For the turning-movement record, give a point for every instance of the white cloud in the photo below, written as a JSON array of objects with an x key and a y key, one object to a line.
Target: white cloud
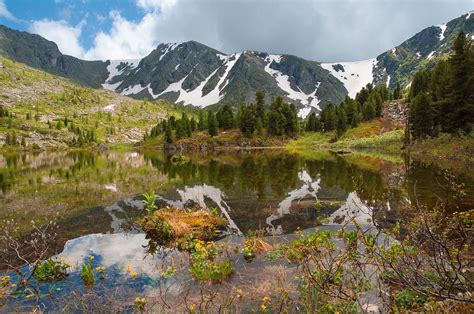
[
  {"x": 126, "y": 39},
  {"x": 63, "y": 34},
  {"x": 161, "y": 5},
  {"x": 5, "y": 13},
  {"x": 313, "y": 29}
]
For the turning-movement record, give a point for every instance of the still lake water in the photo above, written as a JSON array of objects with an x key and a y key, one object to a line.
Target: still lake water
[{"x": 97, "y": 195}]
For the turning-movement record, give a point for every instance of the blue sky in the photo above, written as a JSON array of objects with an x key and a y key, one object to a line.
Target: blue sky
[{"x": 322, "y": 30}]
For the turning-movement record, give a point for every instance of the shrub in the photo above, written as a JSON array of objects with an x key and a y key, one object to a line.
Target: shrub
[{"x": 51, "y": 270}]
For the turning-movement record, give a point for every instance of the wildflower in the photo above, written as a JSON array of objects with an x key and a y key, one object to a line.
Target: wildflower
[
  {"x": 128, "y": 269},
  {"x": 265, "y": 299},
  {"x": 192, "y": 307},
  {"x": 239, "y": 293},
  {"x": 134, "y": 275},
  {"x": 263, "y": 307}
]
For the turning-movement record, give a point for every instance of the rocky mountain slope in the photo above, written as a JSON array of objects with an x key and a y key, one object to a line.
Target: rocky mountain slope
[
  {"x": 39, "y": 104},
  {"x": 194, "y": 74}
]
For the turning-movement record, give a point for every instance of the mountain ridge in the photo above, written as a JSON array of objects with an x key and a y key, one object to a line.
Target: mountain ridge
[{"x": 192, "y": 73}]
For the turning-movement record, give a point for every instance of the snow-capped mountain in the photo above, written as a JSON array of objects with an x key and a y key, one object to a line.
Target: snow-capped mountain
[{"x": 194, "y": 74}]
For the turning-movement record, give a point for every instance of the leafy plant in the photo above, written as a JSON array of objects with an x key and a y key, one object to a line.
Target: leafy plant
[
  {"x": 87, "y": 274},
  {"x": 51, "y": 270},
  {"x": 208, "y": 262},
  {"x": 149, "y": 202}
]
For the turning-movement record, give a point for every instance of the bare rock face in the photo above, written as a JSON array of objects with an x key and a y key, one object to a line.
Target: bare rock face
[{"x": 397, "y": 112}]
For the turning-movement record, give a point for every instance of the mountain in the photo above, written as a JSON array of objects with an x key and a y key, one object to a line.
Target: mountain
[
  {"x": 194, "y": 74},
  {"x": 37, "y": 52}
]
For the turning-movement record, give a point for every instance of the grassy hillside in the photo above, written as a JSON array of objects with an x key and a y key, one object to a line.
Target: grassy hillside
[{"x": 34, "y": 98}]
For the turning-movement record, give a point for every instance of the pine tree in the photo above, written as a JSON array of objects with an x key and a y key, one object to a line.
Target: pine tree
[
  {"x": 369, "y": 110},
  {"x": 328, "y": 118},
  {"x": 260, "y": 105},
  {"x": 247, "y": 120},
  {"x": 193, "y": 124},
  {"x": 226, "y": 117},
  {"x": 341, "y": 121},
  {"x": 291, "y": 121},
  {"x": 310, "y": 124},
  {"x": 259, "y": 126},
  {"x": 212, "y": 124},
  {"x": 202, "y": 125},
  {"x": 168, "y": 134},
  {"x": 180, "y": 129},
  {"x": 460, "y": 115},
  {"x": 421, "y": 116}
]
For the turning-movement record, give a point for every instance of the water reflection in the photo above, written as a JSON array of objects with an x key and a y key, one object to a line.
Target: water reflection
[{"x": 260, "y": 190}]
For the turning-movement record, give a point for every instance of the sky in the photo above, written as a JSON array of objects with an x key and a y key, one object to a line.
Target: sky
[{"x": 320, "y": 30}]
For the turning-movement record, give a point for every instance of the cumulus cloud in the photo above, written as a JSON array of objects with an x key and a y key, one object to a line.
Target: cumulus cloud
[
  {"x": 322, "y": 30},
  {"x": 67, "y": 37},
  {"x": 161, "y": 5},
  {"x": 126, "y": 39},
  {"x": 4, "y": 12}
]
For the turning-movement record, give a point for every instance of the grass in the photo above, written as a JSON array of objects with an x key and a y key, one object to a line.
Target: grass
[
  {"x": 115, "y": 118},
  {"x": 449, "y": 151},
  {"x": 367, "y": 136}
]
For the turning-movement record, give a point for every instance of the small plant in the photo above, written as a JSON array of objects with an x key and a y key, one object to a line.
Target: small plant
[
  {"x": 208, "y": 262},
  {"x": 149, "y": 202},
  {"x": 51, "y": 270},
  {"x": 140, "y": 303},
  {"x": 408, "y": 299},
  {"x": 87, "y": 274},
  {"x": 255, "y": 245}
]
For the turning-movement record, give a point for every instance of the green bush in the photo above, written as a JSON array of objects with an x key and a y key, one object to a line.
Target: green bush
[{"x": 51, "y": 270}]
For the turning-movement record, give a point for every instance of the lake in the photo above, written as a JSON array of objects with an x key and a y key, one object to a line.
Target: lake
[{"x": 97, "y": 198}]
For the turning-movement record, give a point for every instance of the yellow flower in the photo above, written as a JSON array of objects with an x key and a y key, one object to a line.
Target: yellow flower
[
  {"x": 134, "y": 275},
  {"x": 198, "y": 246},
  {"x": 263, "y": 307},
  {"x": 128, "y": 269},
  {"x": 265, "y": 299},
  {"x": 239, "y": 293},
  {"x": 192, "y": 307}
]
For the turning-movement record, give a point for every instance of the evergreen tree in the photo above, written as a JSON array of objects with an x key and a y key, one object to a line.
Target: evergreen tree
[
  {"x": 259, "y": 126},
  {"x": 202, "y": 125},
  {"x": 460, "y": 114},
  {"x": 276, "y": 120},
  {"x": 328, "y": 118},
  {"x": 247, "y": 120},
  {"x": 260, "y": 105},
  {"x": 226, "y": 117},
  {"x": 193, "y": 124},
  {"x": 311, "y": 122},
  {"x": 369, "y": 110},
  {"x": 168, "y": 134},
  {"x": 397, "y": 91},
  {"x": 180, "y": 129},
  {"x": 421, "y": 116},
  {"x": 290, "y": 126},
  {"x": 341, "y": 121},
  {"x": 212, "y": 124}
]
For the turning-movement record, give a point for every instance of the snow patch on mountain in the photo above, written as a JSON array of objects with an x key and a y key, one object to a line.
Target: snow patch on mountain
[
  {"x": 469, "y": 14},
  {"x": 168, "y": 48},
  {"x": 195, "y": 97},
  {"x": 283, "y": 81},
  {"x": 355, "y": 75},
  {"x": 443, "y": 29},
  {"x": 117, "y": 67}
]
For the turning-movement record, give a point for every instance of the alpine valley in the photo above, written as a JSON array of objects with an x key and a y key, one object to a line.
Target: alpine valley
[{"x": 194, "y": 74}]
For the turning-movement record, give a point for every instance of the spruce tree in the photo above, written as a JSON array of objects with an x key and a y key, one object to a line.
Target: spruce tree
[
  {"x": 341, "y": 121},
  {"x": 421, "y": 116},
  {"x": 260, "y": 105},
  {"x": 212, "y": 124},
  {"x": 168, "y": 134}
]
